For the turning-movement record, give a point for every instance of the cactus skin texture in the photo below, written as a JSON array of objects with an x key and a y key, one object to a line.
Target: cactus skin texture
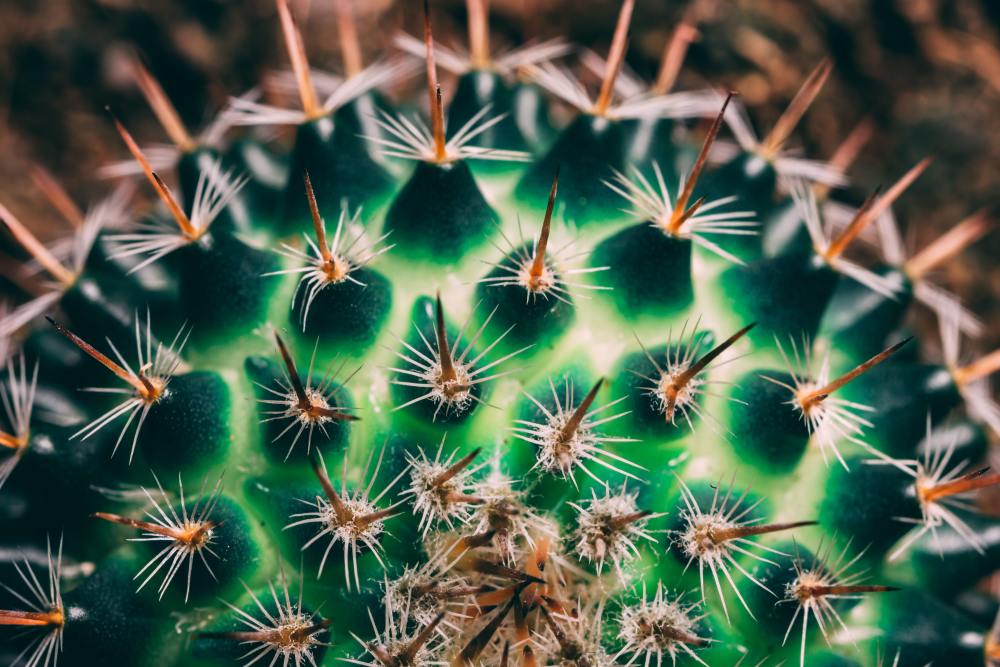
[{"x": 490, "y": 391}]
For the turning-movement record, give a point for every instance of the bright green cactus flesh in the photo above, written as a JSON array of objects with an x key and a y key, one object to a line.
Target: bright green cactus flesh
[{"x": 492, "y": 393}]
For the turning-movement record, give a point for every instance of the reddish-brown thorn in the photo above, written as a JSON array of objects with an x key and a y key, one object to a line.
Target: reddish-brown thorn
[
  {"x": 736, "y": 532},
  {"x": 538, "y": 259},
  {"x": 317, "y": 219},
  {"x": 682, "y": 212},
  {"x": 56, "y": 195},
  {"x": 434, "y": 90},
  {"x": 350, "y": 45},
  {"x": 797, "y": 108},
  {"x": 300, "y": 62},
  {"x": 163, "y": 109},
  {"x": 479, "y": 33},
  {"x": 139, "y": 382},
  {"x": 36, "y": 248},
  {"x": 570, "y": 428},
  {"x": 616, "y": 57},
  {"x": 673, "y": 57},
  {"x": 872, "y": 209},
  {"x": 336, "y": 502},
  {"x": 973, "y": 481},
  {"x": 948, "y": 245},
  {"x": 809, "y": 399},
  {"x": 162, "y": 191}
]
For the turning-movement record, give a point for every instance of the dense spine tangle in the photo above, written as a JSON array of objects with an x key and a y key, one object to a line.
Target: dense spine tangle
[{"x": 482, "y": 365}]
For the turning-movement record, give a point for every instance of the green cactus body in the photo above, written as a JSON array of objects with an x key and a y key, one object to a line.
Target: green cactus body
[{"x": 528, "y": 401}]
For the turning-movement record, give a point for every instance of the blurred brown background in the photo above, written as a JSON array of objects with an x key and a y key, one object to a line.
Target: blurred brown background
[{"x": 926, "y": 71}]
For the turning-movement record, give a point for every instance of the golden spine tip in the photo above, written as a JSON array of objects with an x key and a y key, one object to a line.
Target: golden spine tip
[
  {"x": 56, "y": 195},
  {"x": 673, "y": 57},
  {"x": 982, "y": 367},
  {"x": 162, "y": 107},
  {"x": 616, "y": 57},
  {"x": 949, "y": 244},
  {"x": 350, "y": 44},
  {"x": 873, "y": 208},
  {"x": 300, "y": 62},
  {"x": 796, "y": 109},
  {"x": 682, "y": 212},
  {"x": 479, "y": 33},
  {"x": 36, "y": 248}
]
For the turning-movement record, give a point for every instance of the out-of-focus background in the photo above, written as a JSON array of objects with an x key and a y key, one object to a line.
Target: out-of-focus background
[{"x": 927, "y": 72}]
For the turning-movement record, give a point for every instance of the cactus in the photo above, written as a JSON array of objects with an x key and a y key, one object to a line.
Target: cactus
[{"x": 485, "y": 390}]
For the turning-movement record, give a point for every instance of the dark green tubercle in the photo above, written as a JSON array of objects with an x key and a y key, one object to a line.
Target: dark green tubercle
[
  {"x": 95, "y": 307},
  {"x": 58, "y": 478},
  {"x": 530, "y": 112},
  {"x": 650, "y": 271},
  {"x": 276, "y": 497},
  {"x": 344, "y": 315},
  {"x": 440, "y": 214},
  {"x": 586, "y": 152},
  {"x": 752, "y": 180},
  {"x": 782, "y": 231},
  {"x": 267, "y": 176},
  {"x": 903, "y": 395},
  {"x": 192, "y": 167},
  {"x": 188, "y": 429},
  {"x": 221, "y": 286},
  {"x": 107, "y": 623},
  {"x": 773, "y": 614},
  {"x": 925, "y": 631},
  {"x": 767, "y": 431},
  {"x": 477, "y": 90},
  {"x": 785, "y": 295},
  {"x": 859, "y": 320},
  {"x": 111, "y": 280},
  {"x": 865, "y": 502},
  {"x": 282, "y": 438},
  {"x": 948, "y": 564},
  {"x": 537, "y": 318},
  {"x": 652, "y": 140},
  {"x": 342, "y": 163}
]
